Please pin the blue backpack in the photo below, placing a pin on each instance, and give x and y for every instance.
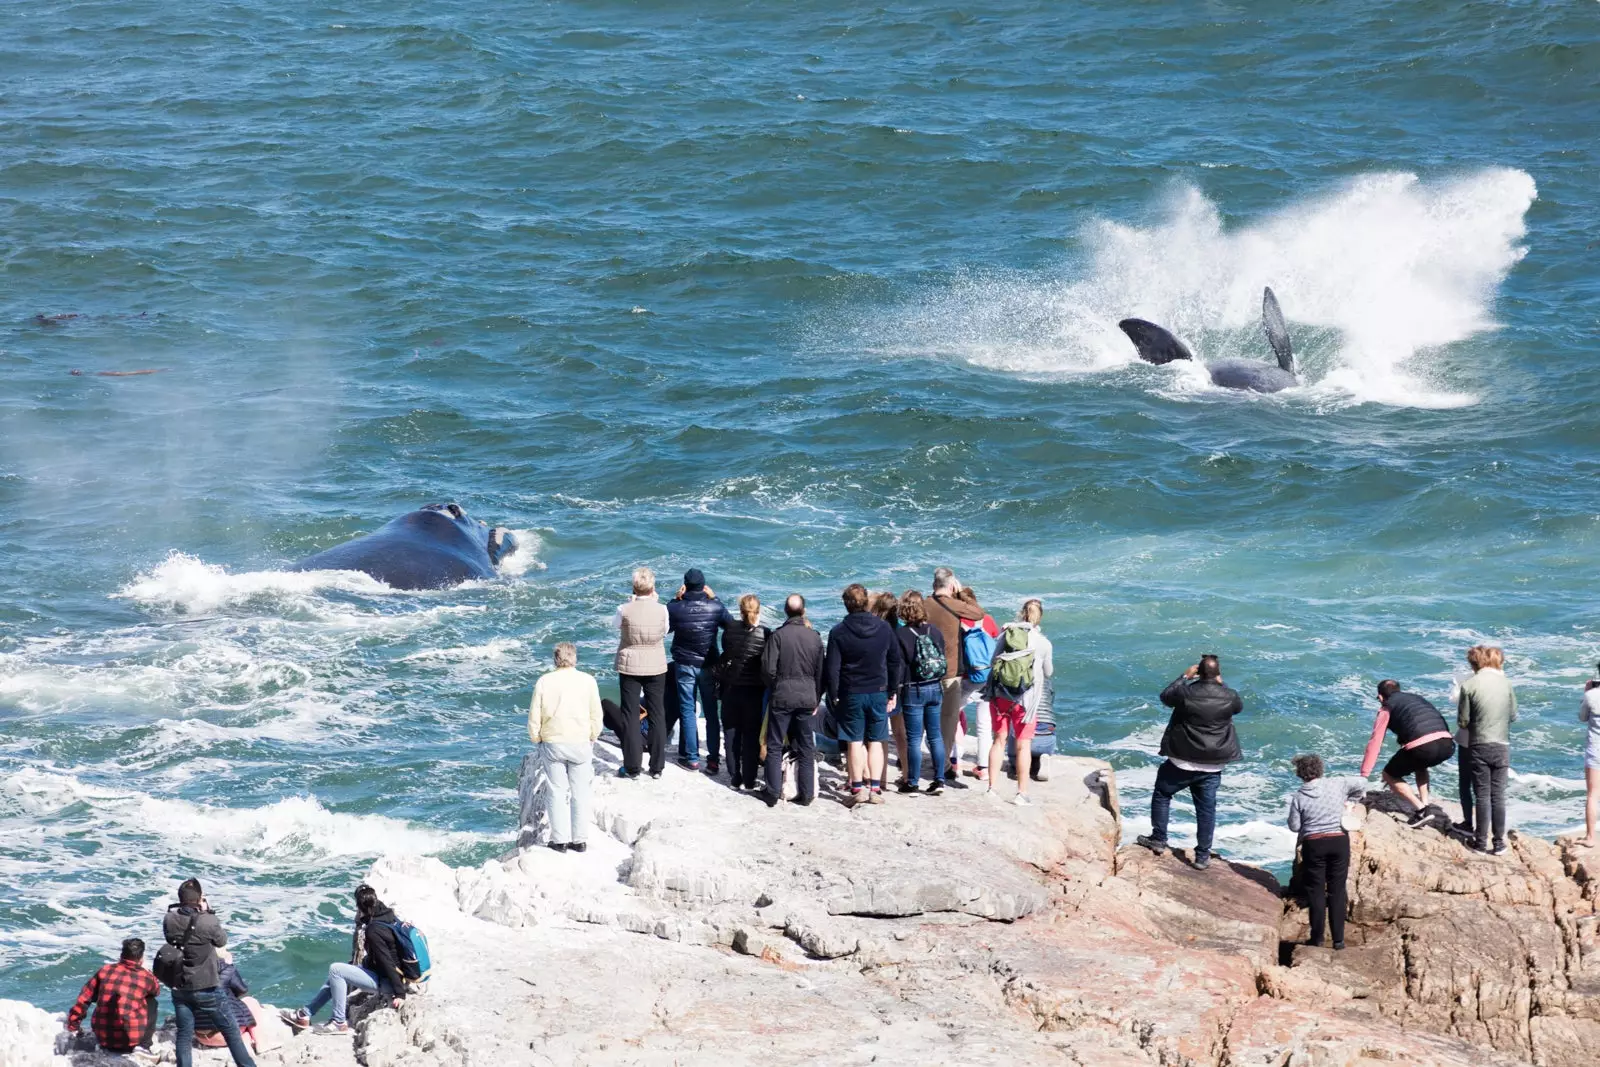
(415, 963)
(977, 650)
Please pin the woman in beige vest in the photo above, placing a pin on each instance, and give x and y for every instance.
(642, 672)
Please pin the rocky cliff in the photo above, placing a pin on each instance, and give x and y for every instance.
(703, 928)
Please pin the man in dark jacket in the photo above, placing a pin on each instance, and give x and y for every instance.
(791, 665)
(1198, 743)
(191, 925)
(863, 661)
(1425, 742)
(696, 618)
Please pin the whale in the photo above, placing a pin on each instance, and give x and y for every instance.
(431, 548)
(1156, 344)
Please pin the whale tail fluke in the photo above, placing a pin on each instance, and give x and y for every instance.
(1276, 329)
(1155, 344)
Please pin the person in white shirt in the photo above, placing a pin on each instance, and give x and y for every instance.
(1590, 713)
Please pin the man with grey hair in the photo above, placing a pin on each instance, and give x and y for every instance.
(949, 613)
(791, 665)
(564, 721)
(641, 666)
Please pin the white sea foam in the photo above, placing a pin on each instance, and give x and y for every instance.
(1369, 275)
(185, 585)
(526, 557)
(496, 649)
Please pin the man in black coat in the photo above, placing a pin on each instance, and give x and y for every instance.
(1198, 743)
(791, 665)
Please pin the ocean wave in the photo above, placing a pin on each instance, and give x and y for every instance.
(185, 585)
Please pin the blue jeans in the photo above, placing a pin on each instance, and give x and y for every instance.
(1202, 786)
(343, 977)
(920, 705)
(212, 1008)
(689, 679)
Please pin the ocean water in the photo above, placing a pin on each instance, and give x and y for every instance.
(800, 294)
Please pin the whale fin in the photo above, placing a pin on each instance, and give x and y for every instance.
(1276, 329)
(1155, 344)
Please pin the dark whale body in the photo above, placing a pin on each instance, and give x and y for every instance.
(437, 546)
(1157, 345)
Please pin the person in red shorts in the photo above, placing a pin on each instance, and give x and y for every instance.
(1022, 662)
(123, 995)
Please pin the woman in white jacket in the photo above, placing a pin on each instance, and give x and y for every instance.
(1013, 713)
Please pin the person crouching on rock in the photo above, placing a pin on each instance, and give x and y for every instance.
(1199, 741)
(564, 721)
(374, 967)
(123, 995)
(1316, 813)
(1424, 742)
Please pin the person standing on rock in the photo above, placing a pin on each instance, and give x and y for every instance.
(1464, 754)
(1023, 661)
(886, 606)
(1485, 709)
(374, 966)
(947, 612)
(697, 618)
(792, 667)
(193, 928)
(1199, 741)
(564, 721)
(641, 665)
(924, 659)
(863, 660)
(743, 691)
(1316, 813)
(1590, 713)
(1424, 739)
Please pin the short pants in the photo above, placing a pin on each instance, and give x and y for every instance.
(1409, 761)
(863, 717)
(1004, 713)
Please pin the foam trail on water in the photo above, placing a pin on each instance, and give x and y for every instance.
(186, 585)
(1369, 275)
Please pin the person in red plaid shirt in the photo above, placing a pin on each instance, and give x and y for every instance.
(124, 997)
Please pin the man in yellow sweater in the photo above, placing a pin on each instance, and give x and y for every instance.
(563, 721)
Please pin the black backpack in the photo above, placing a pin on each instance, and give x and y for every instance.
(168, 965)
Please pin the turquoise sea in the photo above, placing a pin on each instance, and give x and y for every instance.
(800, 294)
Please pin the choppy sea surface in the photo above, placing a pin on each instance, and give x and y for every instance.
(800, 294)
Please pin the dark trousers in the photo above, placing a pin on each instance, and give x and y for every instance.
(632, 740)
(1324, 870)
(209, 1008)
(741, 720)
(1202, 786)
(1464, 778)
(653, 690)
(798, 727)
(1491, 765)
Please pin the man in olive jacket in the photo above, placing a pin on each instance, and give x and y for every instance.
(1198, 743)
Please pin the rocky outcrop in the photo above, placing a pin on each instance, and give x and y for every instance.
(702, 927)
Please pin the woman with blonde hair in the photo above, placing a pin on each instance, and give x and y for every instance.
(1485, 709)
(743, 693)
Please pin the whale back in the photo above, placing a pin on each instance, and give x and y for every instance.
(1155, 343)
(426, 549)
(1250, 375)
(1276, 329)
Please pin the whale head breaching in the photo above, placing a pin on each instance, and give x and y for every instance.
(436, 546)
(1157, 345)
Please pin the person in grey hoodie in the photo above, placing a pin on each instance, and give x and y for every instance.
(1316, 813)
(1485, 709)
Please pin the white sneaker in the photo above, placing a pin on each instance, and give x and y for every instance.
(1021, 800)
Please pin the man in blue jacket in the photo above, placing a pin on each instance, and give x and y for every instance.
(695, 619)
(862, 671)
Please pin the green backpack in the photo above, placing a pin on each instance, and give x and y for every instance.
(1013, 670)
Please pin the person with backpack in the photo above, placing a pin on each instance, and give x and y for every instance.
(1199, 741)
(188, 966)
(376, 955)
(951, 615)
(862, 662)
(743, 692)
(123, 995)
(1022, 662)
(564, 721)
(792, 668)
(923, 665)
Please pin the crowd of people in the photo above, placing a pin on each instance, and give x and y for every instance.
(913, 671)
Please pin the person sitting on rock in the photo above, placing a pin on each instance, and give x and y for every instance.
(1316, 813)
(564, 721)
(123, 995)
(1199, 741)
(374, 967)
(1424, 742)
(236, 1002)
